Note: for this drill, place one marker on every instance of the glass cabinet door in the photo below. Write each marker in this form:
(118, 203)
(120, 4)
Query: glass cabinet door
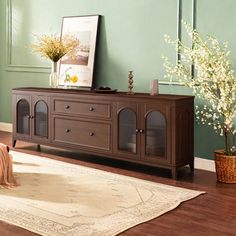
(23, 114)
(41, 119)
(155, 134)
(127, 130)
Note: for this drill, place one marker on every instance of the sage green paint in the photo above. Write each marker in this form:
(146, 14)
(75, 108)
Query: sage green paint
(131, 37)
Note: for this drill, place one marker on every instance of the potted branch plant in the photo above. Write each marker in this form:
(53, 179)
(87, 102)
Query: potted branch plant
(214, 84)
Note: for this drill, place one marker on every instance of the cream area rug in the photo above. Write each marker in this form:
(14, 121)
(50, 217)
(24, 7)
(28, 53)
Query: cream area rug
(61, 199)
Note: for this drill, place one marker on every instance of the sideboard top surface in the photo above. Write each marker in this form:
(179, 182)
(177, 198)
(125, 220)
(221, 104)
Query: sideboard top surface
(94, 93)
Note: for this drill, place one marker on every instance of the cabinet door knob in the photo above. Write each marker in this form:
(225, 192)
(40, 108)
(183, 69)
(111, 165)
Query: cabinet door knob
(32, 117)
(137, 130)
(67, 130)
(141, 131)
(91, 109)
(67, 106)
(91, 134)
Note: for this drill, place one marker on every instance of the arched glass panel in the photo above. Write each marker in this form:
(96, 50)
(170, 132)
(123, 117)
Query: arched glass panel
(23, 112)
(41, 119)
(127, 130)
(155, 134)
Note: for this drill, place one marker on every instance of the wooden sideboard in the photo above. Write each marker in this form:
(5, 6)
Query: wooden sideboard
(151, 130)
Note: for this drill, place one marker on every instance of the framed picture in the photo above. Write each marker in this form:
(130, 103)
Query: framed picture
(77, 67)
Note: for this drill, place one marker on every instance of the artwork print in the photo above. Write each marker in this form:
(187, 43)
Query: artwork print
(77, 66)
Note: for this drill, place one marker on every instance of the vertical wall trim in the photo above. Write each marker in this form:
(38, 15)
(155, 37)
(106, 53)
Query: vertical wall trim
(9, 31)
(194, 18)
(194, 14)
(179, 27)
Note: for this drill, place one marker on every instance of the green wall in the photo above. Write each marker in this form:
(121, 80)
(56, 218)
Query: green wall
(131, 37)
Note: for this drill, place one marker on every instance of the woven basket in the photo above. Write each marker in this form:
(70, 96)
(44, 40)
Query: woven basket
(225, 167)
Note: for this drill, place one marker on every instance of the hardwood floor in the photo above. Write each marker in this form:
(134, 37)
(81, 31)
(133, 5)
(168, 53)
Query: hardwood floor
(213, 213)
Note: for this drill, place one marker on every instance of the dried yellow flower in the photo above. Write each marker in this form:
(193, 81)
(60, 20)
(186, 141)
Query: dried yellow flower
(54, 47)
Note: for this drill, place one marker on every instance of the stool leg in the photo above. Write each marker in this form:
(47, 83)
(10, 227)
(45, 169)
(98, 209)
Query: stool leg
(13, 143)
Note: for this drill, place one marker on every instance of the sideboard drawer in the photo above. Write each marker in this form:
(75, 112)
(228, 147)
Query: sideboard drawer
(83, 133)
(90, 109)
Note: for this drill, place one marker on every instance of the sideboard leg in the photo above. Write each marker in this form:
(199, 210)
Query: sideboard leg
(191, 165)
(38, 148)
(13, 143)
(174, 172)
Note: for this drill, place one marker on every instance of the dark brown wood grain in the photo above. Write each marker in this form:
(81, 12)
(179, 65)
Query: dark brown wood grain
(213, 213)
(88, 121)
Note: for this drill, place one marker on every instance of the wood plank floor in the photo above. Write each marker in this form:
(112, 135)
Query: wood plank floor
(211, 214)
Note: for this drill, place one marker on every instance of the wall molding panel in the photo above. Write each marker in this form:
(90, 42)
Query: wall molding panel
(179, 27)
(9, 65)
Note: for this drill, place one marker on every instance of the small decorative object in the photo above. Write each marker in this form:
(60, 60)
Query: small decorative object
(54, 48)
(154, 87)
(81, 61)
(103, 89)
(130, 82)
(215, 85)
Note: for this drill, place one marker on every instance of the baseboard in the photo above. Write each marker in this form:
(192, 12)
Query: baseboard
(5, 127)
(204, 164)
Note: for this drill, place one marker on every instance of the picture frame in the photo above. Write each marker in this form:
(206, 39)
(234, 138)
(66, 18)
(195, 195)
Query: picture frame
(77, 68)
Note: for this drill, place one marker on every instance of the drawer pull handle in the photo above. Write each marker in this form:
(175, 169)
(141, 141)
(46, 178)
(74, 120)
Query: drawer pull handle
(67, 130)
(91, 109)
(67, 106)
(91, 134)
